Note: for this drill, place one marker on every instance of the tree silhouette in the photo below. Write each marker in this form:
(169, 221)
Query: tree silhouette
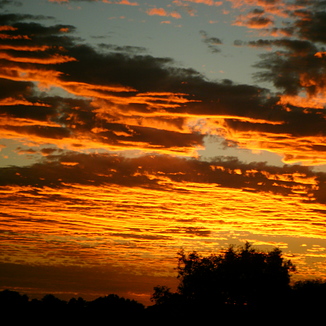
(237, 278)
(309, 297)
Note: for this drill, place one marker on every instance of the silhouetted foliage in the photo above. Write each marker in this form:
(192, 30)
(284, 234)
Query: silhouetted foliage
(50, 308)
(242, 279)
(236, 285)
(162, 295)
(309, 299)
(241, 276)
(9, 298)
(114, 306)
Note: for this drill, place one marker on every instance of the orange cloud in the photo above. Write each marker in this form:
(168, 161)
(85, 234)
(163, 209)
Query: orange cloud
(128, 3)
(320, 54)
(9, 101)
(253, 20)
(316, 102)
(206, 2)
(53, 59)
(157, 11)
(47, 78)
(279, 8)
(180, 222)
(162, 12)
(14, 37)
(7, 28)
(122, 2)
(306, 150)
(24, 47)
(6, 122)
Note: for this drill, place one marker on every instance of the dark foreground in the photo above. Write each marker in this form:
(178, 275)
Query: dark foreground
(233, 287)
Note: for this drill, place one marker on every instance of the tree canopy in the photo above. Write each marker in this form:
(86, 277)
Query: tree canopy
(241, 277)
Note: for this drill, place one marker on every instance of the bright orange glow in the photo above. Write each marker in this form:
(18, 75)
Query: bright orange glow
(6, 121)
(24, 48)
(18, 101)
(7, 28)
(317, 102)
(190, 216)
(320, 54)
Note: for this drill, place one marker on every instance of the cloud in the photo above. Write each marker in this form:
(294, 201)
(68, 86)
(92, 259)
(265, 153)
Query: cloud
(294, 62)
(296, 69)
(211, 42)
(255, 19)
(127, 48)
(313, 26)
(126, 2)
(169, 110)
(206, 2)
(276, 7)
(162, 12)
(157, 172)
(120, 2)
(4, 3)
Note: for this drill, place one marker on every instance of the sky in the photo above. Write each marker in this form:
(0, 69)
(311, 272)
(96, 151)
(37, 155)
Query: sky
(130, 130)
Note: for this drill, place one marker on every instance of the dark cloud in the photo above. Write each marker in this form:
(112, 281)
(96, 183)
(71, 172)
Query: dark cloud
(320, 4)
(41, 131)
(127, 48)
(295, 124)
(4, 3)
(10, 19)
(144, 73)
(259, 21)
(238, 42)
(31, 34)
(313, 26)
(286, 69)
(147, 171)
(211, 42)
(296, 66)
(10, 88)
(29, 112)
(256, 18)
(48, 151)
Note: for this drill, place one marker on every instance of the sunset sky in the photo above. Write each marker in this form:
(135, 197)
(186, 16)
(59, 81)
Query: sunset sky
(131, 129)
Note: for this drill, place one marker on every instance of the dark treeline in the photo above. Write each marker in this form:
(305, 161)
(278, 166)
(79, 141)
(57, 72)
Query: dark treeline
(236, 285)
(50, 309)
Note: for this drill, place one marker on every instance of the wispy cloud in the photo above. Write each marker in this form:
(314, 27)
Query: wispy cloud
(212, 42)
